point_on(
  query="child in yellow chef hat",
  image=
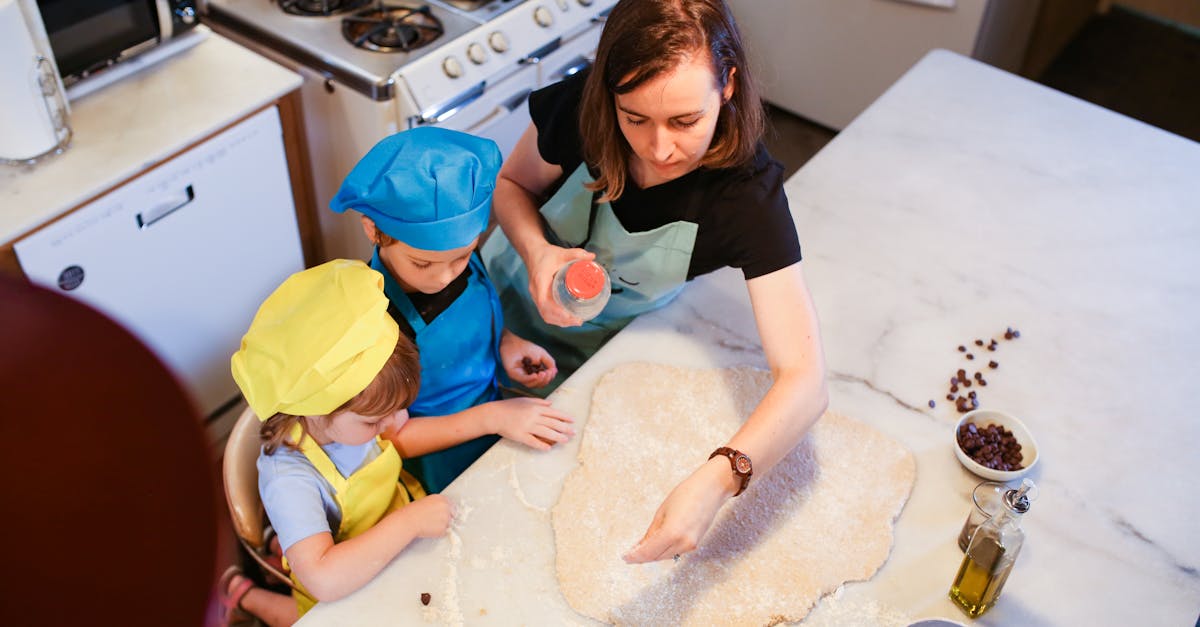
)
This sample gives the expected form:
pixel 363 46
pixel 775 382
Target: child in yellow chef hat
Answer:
pixel 327 370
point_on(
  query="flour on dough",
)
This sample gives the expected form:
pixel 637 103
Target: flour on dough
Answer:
pixel 822 517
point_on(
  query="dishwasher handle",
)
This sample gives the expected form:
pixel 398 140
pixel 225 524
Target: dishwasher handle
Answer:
pixel 146 219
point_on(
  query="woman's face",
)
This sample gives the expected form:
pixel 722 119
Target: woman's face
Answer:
pixel 670 119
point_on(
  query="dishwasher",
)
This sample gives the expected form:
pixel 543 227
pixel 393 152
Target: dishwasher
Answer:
pixel 182 255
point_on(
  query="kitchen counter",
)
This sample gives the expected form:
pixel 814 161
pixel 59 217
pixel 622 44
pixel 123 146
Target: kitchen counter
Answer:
pixel 136 123
pixel 964 201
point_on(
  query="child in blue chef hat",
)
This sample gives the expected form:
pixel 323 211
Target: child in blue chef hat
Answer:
pixel 425 196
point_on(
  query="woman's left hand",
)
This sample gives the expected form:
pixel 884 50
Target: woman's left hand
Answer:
pixel 516 352
pixel 686 514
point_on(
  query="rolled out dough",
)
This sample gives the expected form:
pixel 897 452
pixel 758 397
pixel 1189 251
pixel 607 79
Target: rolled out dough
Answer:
pixel 823 516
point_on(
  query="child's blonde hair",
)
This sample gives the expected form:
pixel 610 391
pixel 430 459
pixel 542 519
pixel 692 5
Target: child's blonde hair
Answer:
pixel 393 389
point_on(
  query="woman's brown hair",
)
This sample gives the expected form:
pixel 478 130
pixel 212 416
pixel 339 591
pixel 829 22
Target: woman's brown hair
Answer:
pixel 641 40
pixel 393 389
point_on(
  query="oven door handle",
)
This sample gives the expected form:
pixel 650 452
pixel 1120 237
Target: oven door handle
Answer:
pixel 503 109
pixel 446 111
pixel 576 65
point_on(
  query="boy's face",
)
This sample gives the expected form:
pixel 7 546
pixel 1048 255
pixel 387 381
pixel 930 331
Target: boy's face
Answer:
pixel 417 270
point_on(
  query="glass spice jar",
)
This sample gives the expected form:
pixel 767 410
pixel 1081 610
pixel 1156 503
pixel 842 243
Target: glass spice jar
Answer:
pixel 582 287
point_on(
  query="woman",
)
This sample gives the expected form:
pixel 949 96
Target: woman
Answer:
pixel 656 167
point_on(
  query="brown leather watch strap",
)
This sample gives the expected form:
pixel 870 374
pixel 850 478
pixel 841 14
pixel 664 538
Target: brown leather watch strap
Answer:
pixel 739 462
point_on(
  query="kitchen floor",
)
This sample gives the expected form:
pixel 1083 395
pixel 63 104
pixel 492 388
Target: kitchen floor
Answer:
pixel 1122 60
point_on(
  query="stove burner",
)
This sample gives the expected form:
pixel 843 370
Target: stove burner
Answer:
pixel 392 29
pixel 320 7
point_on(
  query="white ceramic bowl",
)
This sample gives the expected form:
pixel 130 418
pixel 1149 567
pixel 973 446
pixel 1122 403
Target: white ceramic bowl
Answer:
pixel 985 417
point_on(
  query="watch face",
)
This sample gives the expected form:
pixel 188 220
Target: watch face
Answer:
pixel 743 464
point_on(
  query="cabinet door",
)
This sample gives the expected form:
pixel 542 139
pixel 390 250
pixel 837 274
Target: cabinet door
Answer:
pixel 826 60
pixel 183 255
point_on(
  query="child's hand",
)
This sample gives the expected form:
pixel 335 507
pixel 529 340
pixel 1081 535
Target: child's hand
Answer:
pixel 430 514
pixel 526 362
pixel 530 421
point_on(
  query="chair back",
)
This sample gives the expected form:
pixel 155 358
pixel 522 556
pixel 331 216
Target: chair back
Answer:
pixel 240 470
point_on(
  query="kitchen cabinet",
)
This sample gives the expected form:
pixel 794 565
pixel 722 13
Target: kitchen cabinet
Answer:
pixel 183 254
pixel 826 60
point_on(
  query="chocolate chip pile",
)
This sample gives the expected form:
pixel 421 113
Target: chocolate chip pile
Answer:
pixel 992 446
pixel 967 401
pixel 532 367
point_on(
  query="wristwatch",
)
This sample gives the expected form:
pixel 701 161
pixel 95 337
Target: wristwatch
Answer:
pixel 740 462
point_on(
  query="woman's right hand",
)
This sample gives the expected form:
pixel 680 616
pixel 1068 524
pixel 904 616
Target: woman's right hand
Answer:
pixel 542 267
pixel 430 514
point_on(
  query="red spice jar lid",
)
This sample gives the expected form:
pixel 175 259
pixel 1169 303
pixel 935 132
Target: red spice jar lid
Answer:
pixel 585 279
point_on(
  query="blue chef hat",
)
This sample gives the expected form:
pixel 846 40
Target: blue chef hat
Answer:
pixel 428 187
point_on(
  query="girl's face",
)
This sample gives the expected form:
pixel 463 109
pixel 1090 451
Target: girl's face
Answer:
pixel 670 119
pixel 353 429
pixel 416 270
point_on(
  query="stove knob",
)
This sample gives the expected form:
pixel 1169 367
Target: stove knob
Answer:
pixel 452 67
pixel 476 54
pixel 498 42
pixel 543 17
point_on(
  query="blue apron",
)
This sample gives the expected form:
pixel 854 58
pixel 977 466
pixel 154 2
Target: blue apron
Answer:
pixel 459 352
pixel 647 269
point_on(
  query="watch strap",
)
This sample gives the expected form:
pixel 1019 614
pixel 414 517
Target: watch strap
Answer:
pixel 734 457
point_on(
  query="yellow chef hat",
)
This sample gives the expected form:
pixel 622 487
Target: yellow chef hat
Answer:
pixel 320 338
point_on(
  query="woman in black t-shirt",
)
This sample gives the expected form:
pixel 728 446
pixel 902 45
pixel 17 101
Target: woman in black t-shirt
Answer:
pixel 652 164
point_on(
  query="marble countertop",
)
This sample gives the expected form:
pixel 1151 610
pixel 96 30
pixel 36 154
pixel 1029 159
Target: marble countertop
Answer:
pixel 964 201
pixel 137 122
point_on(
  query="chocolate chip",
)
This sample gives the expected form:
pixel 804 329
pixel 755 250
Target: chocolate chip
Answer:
pixel 978 375
pixel 425 598
pixel 983 382
pixel 970 356
pixel 954 388
pixel 962 374
pixel 532 367
pixel 979 342
pixel 993 364
pixel 962 349
pixel 950 397
pixel 967 383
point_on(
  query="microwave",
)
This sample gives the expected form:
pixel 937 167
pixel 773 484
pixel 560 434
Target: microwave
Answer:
pixel 87 36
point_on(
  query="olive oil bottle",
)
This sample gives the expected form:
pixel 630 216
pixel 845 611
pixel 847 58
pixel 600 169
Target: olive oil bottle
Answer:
pixel 991 555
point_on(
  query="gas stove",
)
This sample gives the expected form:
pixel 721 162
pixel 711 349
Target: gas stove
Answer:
pixel 311 33
pixel 375 67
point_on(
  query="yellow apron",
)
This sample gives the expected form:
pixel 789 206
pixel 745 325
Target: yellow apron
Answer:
pixel 363 497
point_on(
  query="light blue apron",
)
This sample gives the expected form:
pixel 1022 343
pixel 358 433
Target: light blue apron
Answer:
pixel 647 269
pixel 459 363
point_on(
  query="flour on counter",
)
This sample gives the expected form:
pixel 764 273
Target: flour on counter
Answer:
pixel 516 486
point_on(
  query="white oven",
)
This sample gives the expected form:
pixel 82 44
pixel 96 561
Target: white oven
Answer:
pixel 478 82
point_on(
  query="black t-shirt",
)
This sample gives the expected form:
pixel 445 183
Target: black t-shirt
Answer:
pixel 746 223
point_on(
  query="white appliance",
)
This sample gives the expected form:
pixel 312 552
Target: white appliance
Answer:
pixel 182 255
pixel 33 119
pixel 827 60
pixel 474 75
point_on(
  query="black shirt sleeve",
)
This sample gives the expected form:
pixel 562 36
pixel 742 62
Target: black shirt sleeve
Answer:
pixel 555 112
pixel 749 225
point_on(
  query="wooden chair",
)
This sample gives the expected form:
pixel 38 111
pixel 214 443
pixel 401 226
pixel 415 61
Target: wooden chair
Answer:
pixel 240 477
